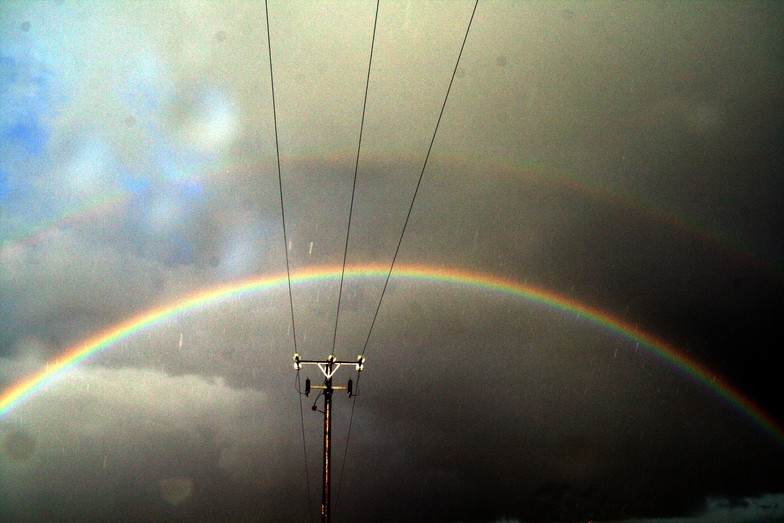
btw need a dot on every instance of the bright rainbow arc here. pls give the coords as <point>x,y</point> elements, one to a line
<point>26,388</point>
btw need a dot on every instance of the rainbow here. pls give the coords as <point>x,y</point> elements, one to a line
<point>66,217</point>
<point>507,168</point>
<point>26,388</point>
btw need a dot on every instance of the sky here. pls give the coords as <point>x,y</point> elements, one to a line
<point>582,316</point>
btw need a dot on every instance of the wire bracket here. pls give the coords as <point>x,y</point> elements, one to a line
<point>329,366</point>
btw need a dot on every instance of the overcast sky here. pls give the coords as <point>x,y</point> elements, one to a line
<point>622,158</point>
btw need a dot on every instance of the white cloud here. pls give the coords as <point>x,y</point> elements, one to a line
<point>132,408</point>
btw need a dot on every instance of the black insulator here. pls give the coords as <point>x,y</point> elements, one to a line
<point>307,386</point>
<point>350,388</point>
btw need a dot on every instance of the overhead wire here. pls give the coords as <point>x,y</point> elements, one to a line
<point>348,233</point>
<point>402,233</point>
<point>419,182</point>
<point>286,250</point>
<point>345,449</point>
<point>354,185</point>
<point>304,448</point>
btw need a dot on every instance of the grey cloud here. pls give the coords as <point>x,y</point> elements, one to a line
<point>622,155</point>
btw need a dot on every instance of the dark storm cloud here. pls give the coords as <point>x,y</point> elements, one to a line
<point>427,420</point>
<point>623,155</point>
<point>466,403</point>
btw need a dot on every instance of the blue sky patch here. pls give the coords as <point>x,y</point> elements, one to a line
<point>4,187</point>
<point>25,103</point>
<point>28,135</point>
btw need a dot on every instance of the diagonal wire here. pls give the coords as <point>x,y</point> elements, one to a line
<point>280,183</point>
<point>305,449</point>
<point>345,251</point>
<point>286,249</point>
<point>354,186</point>
<point>345,450</point>
<point>419,182</point>
<point>400,241</point>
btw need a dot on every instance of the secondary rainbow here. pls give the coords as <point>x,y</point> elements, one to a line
<point>509,168</point>
<point>25,388</point>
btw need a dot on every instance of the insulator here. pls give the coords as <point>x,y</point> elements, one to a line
<point>307,386</point>
<point>350,388</point>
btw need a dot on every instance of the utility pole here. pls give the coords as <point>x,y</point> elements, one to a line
<point>328,368</point>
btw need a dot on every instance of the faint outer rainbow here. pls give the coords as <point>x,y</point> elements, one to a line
<point>65,217</point>
<point>20,391</point>
<point>505,170</point>
<point>515,168</point>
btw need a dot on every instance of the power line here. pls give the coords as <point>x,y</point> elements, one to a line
<point>400,241</point>
<point>345,450</point>
<point>354,186</point>
<point>286,247</point>
<point>348,231</point>
<point>419,182</point>
<point>280,182</point>
<point>304,447</point>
